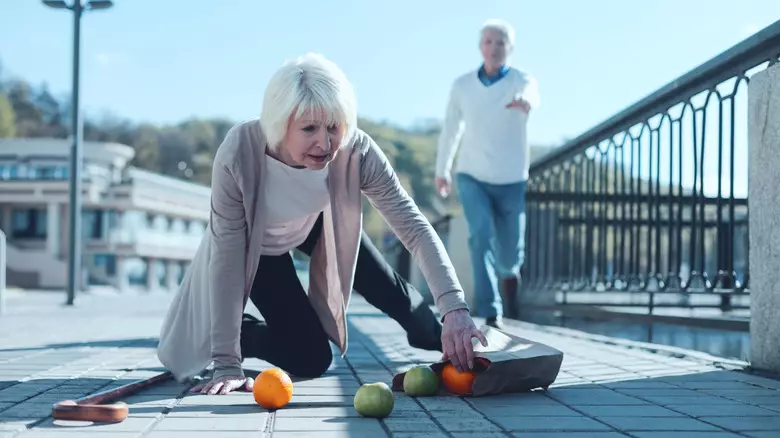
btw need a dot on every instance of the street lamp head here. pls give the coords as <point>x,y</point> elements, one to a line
<point>99,4</point>
<point>56,4</point>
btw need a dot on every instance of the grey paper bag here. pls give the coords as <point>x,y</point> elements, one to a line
<point>508,364</point>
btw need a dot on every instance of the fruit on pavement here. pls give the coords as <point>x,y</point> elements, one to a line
<point>421,381</point>
<point>457,382</point>
<point>374,400</point>
<point>273,389</point>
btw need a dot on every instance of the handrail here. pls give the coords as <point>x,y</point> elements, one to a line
<point>3,267</point>
<point>752,50</point>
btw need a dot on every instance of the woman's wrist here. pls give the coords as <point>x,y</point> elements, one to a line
<point>455,311</point>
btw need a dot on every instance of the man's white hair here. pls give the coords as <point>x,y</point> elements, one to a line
<point>500,26</point>
<point>309,83</point>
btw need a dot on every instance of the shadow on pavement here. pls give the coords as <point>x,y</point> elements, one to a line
<point>110,343</point>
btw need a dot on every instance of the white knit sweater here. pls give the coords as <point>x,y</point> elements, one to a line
<point>493,139</point>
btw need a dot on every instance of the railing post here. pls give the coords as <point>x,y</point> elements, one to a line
<point>3,266</point>
<point>763,162</point>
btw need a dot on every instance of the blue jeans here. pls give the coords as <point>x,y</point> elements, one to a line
<point>495,215</point>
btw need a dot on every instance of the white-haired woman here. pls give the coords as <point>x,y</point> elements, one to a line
<point>293,179</point>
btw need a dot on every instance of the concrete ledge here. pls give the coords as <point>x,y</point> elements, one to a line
<point>764,198</point>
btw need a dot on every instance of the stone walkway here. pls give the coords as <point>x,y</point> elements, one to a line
<point>607,387</point>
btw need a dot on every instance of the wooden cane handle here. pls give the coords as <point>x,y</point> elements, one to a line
<point>110,413</point>
<point>91,408</point>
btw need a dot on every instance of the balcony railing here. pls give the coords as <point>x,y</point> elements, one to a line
<point>655,198</point>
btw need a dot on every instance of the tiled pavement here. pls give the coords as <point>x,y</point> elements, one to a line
<point>48,353</point>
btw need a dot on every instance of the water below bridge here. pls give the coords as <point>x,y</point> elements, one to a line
<point>717,342</point>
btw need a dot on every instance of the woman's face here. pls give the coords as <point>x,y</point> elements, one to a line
<point>311,141</point>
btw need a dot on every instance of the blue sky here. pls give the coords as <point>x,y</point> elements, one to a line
<point>163,61</point>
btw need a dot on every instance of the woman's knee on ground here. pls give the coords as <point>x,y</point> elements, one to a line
<point>310,363</point>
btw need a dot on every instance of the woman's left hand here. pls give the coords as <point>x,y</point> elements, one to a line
<point>456,334</point>
<point>225,385</point>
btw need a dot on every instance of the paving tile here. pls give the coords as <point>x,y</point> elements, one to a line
<point>249,422</point>
<point>628,411</point>
<point>410,425</point>
<point>76,434</point>
<point>444,403</point>
<point>197,434</point>
<point>658,392</point>
<point>740,424</point>
<point>182,411</point>
<point>322,400</point>
<point>326,391</point>
<point>685,434</point>
<point>149,400</point>
<point>656,424</point>
<point>131,424</point>
<point>663,400</point>
<point>723,410</point>
<point>27,410</point>
<point>717,385</point>
<point>217,400</point>
<point>591,397</point>
<point>308,412</point>
<point>540,424</point>
<point>547,410</point>
<point>456,424</point>
<point>428,435</point>
<point>355,426</point>
<point>569,435</point>
<point>639,384</point>
<point>522,399</point>
<point>18,423</point>
<point>318,434</point>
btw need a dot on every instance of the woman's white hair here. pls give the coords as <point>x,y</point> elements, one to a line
<point>308,83</point>
<point>501,26</point>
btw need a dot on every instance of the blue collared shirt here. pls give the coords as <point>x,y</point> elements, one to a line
<point>490,80</point>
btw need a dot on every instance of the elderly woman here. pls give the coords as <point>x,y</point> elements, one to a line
<point>293,179</point>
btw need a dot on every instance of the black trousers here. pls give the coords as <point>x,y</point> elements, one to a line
<point>292,337</point>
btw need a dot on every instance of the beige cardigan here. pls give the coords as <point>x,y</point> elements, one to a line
<point>203,323</point>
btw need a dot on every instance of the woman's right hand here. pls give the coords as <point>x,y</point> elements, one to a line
<point>225,384</point>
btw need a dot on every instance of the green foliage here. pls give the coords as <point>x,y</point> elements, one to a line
<point>7,118</point>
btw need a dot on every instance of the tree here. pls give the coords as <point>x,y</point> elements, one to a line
<point>7,118</point>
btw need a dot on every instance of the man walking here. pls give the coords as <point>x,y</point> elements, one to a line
<point>487,115</point>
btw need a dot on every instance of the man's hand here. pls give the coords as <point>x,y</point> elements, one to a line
<point>456,334</point>
<point>442,186</point>
<point>521,104</point>
<point>225,385</point>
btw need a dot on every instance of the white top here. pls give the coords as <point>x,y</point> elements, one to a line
<point>493,139</point>
<point>294,198</point>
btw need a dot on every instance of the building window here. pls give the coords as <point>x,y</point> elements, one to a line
<point>29,224</point>
<point>92,224</point>
<point>48,172</point>
<point>108,261</point>
<point>17,171</point>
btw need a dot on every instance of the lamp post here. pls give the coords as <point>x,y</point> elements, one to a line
<point>74,248</point>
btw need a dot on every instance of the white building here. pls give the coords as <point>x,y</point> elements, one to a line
<point>139,228</point>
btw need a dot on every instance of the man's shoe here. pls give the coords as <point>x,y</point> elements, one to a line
<point>495,322</point>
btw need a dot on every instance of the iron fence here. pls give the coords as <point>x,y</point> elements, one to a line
<point>655,198</point>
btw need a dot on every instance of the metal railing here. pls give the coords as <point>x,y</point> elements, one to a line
<point>3,267</point>
<point>655,198</point>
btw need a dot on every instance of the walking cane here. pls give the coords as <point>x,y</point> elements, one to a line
<point>90,408</point>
